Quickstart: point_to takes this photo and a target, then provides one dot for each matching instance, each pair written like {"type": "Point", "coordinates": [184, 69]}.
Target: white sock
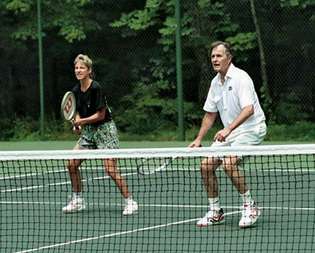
{"type": "Point", "coordinates": [247, 198]}
{"type": "Point", "coordinates": [76, 195]}
{"type": "Point", "coordinates": [214, 203]}
{"type": "Point", "coordinates": [128, 199]}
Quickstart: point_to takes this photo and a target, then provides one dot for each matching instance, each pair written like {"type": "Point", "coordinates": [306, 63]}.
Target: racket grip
{"type": "Point", "coordinates": [76, 128]}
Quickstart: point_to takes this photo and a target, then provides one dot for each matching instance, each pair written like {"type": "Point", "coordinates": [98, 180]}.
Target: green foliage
{"type": "Point", "coordinates": [18, 5]}
{"type": "Point", "coordinates": [27, 129]}
{"type": "Point", "coordinates": [298, 4]}
{"type": "Point", "coordinates": [204, 3]}
{"type": "Point", "coordinates": [144, 64]}
{"type": "Point", "coordinates": [78, 2]}
{"type": "Point", "coordinates": [295, 3]}
{"type": "Point", "coordinates": [266, 103]}
{"type": "Point", "coordinates": [289, 109]}
{"type": "Point", "coordinates": [195, 20]}
{"type": "Point", "coordinates": [66, 16]}
{"type": "Point", "coordinates": [299, 131]}
{"type": "Point", "coordinates": [151, 105]}
{"type": "Point", "coordinates": [72, 33]}
{"type": "Point", "coordinates": [136, 20]}
{"type": "Point", "coordinates": [139, 19]}
{"type": "Point", "coordinates": [242, 43]}
{"type": "Point", "coordinates": [144, 111]}
{"type": "Point", "coordinates": [168, 31]}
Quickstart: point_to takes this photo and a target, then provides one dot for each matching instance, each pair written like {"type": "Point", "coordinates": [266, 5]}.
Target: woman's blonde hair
{"type": "Point", "coordinates": [84, 59]}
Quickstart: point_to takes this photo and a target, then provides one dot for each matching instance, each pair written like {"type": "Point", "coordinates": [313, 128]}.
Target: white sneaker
{"type": "Point", "coordinates": [212, 217]}
{"type": "Point", "coordinates": [76, 204]}
{"type": "Point", "coordinates": [250, 215]}
{"type": "Point", "coordinates": [131, 207]}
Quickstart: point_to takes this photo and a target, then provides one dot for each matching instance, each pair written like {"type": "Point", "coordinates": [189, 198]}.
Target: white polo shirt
{"type": "Point", "coordinates": [231, 97]}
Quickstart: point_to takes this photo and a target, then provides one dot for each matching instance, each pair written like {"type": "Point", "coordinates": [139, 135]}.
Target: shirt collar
{"type": "Point", "coordinates": [229, 74]}
{"type": "Point", "coordinates": [231, 71]}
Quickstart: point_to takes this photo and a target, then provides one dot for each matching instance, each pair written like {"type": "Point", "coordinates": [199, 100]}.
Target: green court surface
{"type": "Point", "coordinates": [170, 203]}
{"type": "Point", "coordinates": [61, 145]}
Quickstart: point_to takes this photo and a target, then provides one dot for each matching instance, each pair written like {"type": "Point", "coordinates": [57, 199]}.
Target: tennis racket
{"type": "Point", "coordinates": [68, 106]}
{"type": "Point", "coordinates": [149, 166]}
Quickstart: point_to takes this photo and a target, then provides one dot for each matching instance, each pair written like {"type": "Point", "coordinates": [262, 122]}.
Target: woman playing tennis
{"type": "Point", "coordinates": [93, 121]}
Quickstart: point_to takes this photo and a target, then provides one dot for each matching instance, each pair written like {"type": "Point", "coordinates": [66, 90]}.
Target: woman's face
{"type": "Point", "coordinates": [81, 71]}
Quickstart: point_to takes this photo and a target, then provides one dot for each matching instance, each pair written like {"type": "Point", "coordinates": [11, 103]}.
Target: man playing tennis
{"type": "Point", "coordinates": [232, 94]}
{"type": "Point", "coordinates": [97, 130]}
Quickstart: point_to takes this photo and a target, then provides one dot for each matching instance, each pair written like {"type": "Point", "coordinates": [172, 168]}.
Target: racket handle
{"type": "Point", "coordinates": [76, 128]}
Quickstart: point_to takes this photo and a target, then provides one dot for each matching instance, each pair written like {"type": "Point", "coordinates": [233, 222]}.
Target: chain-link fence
{"type": "Point", "coordinates": [133, 48]}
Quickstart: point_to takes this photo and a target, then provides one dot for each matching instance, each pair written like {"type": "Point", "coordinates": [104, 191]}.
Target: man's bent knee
{"type": "Point", "coordinates": [209, 164]}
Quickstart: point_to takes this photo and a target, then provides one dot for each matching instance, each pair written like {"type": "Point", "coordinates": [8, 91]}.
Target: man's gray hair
{"type": "Point", "coordinates": [227, 46]}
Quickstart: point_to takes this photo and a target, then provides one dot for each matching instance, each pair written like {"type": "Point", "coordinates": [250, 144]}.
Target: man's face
{"type": "Point", "coordinates": [220, 60]}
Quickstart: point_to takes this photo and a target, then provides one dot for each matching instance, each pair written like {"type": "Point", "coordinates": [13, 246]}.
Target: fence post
{"type": "Point", "coordinates": [179, 80]}
{"type": "Point", "coordinates": [40, 60]}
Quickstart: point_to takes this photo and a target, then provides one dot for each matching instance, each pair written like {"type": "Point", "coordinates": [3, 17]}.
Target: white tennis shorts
{"type": "Point", "coordinates": [243, 137]}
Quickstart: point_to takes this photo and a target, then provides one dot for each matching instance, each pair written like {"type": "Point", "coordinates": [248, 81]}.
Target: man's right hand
{"type": "Point", "coordinates": [195, 144]}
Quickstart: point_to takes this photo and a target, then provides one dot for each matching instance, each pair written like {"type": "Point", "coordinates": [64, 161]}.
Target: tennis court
{"type": "Point", "coordinates": [170, 203]}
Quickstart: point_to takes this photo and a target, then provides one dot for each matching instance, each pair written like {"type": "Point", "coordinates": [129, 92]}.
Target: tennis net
{"type": "Point", "coordinates": [167, 185]}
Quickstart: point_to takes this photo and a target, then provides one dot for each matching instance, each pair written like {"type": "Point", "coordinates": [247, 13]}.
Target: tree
{"type": "Point", "coordinates": [66, 17]}
{"type": "Point", "coordinates": [265, 84]}
{"type": "Point", "coordinates": [296, 3]}
{"type": "Point", "coordinates": [203, 21]}
{"type": "Point", "coordinates": [69, 27]}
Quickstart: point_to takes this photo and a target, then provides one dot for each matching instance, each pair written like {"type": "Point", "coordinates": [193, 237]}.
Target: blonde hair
{"type": "Point", "coordinates": [84, 59]}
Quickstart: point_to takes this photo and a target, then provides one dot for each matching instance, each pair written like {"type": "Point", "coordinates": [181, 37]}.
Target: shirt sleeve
{"type": "Point", "coordinates": [210, 104]}
{"type": "Point", "coordinates": [246, 91]}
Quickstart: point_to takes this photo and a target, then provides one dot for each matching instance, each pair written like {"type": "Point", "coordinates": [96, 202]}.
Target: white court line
{"type": "Point", "coordinates": [115, 234]}
{"type": "Point", "coordinates": [60, 183]}
{"type": "Point", "coordinates": [48, 172]}
{"type": "Point", "coordinates": [107, 177]}
{"type": "Point", "coordinates": [159, 205]}
{"type": "Point", "coordinates": [52, 246]}
{"type": "Point", "coordinates": [311, 170]}
{"type": "Point", "coordinates": [31, 174]}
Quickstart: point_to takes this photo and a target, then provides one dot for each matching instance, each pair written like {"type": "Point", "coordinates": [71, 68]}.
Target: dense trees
{"type": "Point", "coordinates": [133, 46]}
